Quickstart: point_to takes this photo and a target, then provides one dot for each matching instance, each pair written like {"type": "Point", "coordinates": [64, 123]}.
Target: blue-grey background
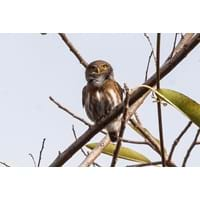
{"type": "Point", "coordinates": [34, 67]}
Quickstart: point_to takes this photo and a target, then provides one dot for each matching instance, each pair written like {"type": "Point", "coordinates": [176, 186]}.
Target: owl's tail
{"type": "Point", "coordinates": [113, 136]}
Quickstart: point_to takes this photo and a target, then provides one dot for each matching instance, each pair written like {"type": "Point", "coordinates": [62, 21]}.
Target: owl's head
{"type": "Point", "coordinates": [98, 71]}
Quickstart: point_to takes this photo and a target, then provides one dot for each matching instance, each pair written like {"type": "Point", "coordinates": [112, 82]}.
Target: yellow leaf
{"type": "Point", "coordinates": [185, 104]}
{"type": "Point", "coordinates": [124, 153]}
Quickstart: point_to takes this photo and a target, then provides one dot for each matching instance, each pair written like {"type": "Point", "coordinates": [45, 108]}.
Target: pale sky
{"type": "Point", "coordinates": [34, 67]}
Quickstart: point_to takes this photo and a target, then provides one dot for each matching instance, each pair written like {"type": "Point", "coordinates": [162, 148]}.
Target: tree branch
{"type": "Point", "coordinates": [33, 159]}
{"type": "Point", "coordinates": [69, 112]}
{"type": "Point", "coordinates": [190, 148]}
{"type": "Point", "coordinates": [95, 152]}
{"type": "Point", "coordinates": [73, 50]}
{"type": "Point", "coordinates": [146, 164]}
{"type": "Point", "coordinates": [158, 101]}
{"type": "Point", "coordinates": [167, 67]}
{"type": "Point", "coordinates": [176, 141]}
{"type": "Point", "coordinates": [41, 151]}
{"type": "Point", "coordinates": [3, 163]}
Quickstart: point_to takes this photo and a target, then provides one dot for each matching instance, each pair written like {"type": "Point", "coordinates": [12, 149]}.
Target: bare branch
{"type": "Point", "coordinates": [69, 112]}
{"type": "Point", "coordinates": [151, 45]}
{"type": "Point", "coordinates": [134, 142]}
{"type": "Point", "coordinates": [146, 164]}
{"type": "Point", "coordinates": [73, 50]}
{"type": "Point", "coordinates": [72, 114]}
{"type": "Point", "coordinates": [41, 151]}
{"type": "Point", "coordinates": [33, 159]}
{"type": "Point", "coordinates": [174, 45]}
{"type": "Point", "coordinates": [158, 102]}
{"type": "Point", "coordinates": [95, 152]}
{"type": "Point", "coordinates": [148, 64]}
{"type": "Point", "coordinates": [190, 148]}
{"type": "Point", "coordinates": [123, 125]}
{"type": "Point", "coordinates": [82, 150]}
{"type": "Point", "coordinates": [3, 163]}
{"type": "Point", "coordinates": [176, 141]}
{"type": "Point", "coordinates": [167, 67]}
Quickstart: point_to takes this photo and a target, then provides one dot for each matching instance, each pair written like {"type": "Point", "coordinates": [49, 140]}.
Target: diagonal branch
{"type": "Point", "coordinates": [166, 68]}
{"type": "Point", "coordinates": [3, 163]}
{"type": "Point", "coordinates": [33, 159]}
{"type": "Point", "coordinates": [73, 50]}
{"type": "Point", "coordinates": [69, 112]}
{"type": "Point", "coordinates": [41, 151]}
{"type": "Point", "coordinates": [190, 148]}
{"type": "Point", "coordinates": [146, 164]}
{"type": "Point", "coordinates": [95, 152]}
{"type": "Point", "coordinates": [176, 141]}
{"type": "Point", "coordinates": [123, 125]}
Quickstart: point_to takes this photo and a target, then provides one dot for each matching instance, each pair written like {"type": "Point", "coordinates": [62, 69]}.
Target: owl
{"type": "Point", "coordinates": [101, 94]}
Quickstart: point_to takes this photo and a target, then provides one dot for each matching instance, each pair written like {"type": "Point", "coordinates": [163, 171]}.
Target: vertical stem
{"type": "Point", "coordinates": [158, 102]}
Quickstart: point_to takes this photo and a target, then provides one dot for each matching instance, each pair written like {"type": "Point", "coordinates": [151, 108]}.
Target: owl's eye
{"type": "Point", "coordinates": [104, 66]}
{"type": "Point", "coordinates": [94, 69]}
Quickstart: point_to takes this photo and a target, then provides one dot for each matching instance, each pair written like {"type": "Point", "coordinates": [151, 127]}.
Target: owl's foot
{"type": "Point", "coordinates": [113, 136]}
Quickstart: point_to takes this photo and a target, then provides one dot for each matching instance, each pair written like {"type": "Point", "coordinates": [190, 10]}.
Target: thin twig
{"type": "Point", "coordinates": [151, 45]}
{"type": "Point", "coordinates": [69, 112]}
{"type": "Point", "coordinates": [197, 143]}
{"type": "Point", "coordinates": [82, 150]}
{"type": "Point", "coordinates": [148, 64]}
{"type": "Point", "coordinates": [158, 102]}
{"type": "Point", "coordinates": [190, 148]}
{"type": "Point", "coordinates": [137, 118]}
{"type": "Point", "coordinates": [174, 45]}
{"type": "Point", "coordinates": [176, 141]}
{"type": "Point", "coordinates": [72, 114]}
{"type": "Point", "coordinates": [167, 67]}
{"type": "Point", "coordinates": [123, 125]}
{"type": "Point", "coordinates": [41, 151]}
{"type": "Point", "coordinates": [33, 159]}
{"type": "Point", "coordinates": [134, 142]}
{"type": "Point", "coordinates": [73, 50]}
{"type": "Point", "coordinates": [147, 135]}
{"type": "Point", "coordinates": [146, 164]}
{"type": "Point", "coordinates": [3, 163]}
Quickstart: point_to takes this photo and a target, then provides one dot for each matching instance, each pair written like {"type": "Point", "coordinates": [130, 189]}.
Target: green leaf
{"type": "Point", "coordinates": [124, 153]}
{"type": "Point", "coordinates": [183, 103]}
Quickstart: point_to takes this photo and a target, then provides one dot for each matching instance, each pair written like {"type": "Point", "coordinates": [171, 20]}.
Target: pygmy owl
{"type": "Point", "coordinates": [101, 94]}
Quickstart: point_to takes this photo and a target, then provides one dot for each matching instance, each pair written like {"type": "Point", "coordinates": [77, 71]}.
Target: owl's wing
{"type": "Point", "coordinates": [119, 89]}
{"type": "Point", "coordinates": [83, 96]}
